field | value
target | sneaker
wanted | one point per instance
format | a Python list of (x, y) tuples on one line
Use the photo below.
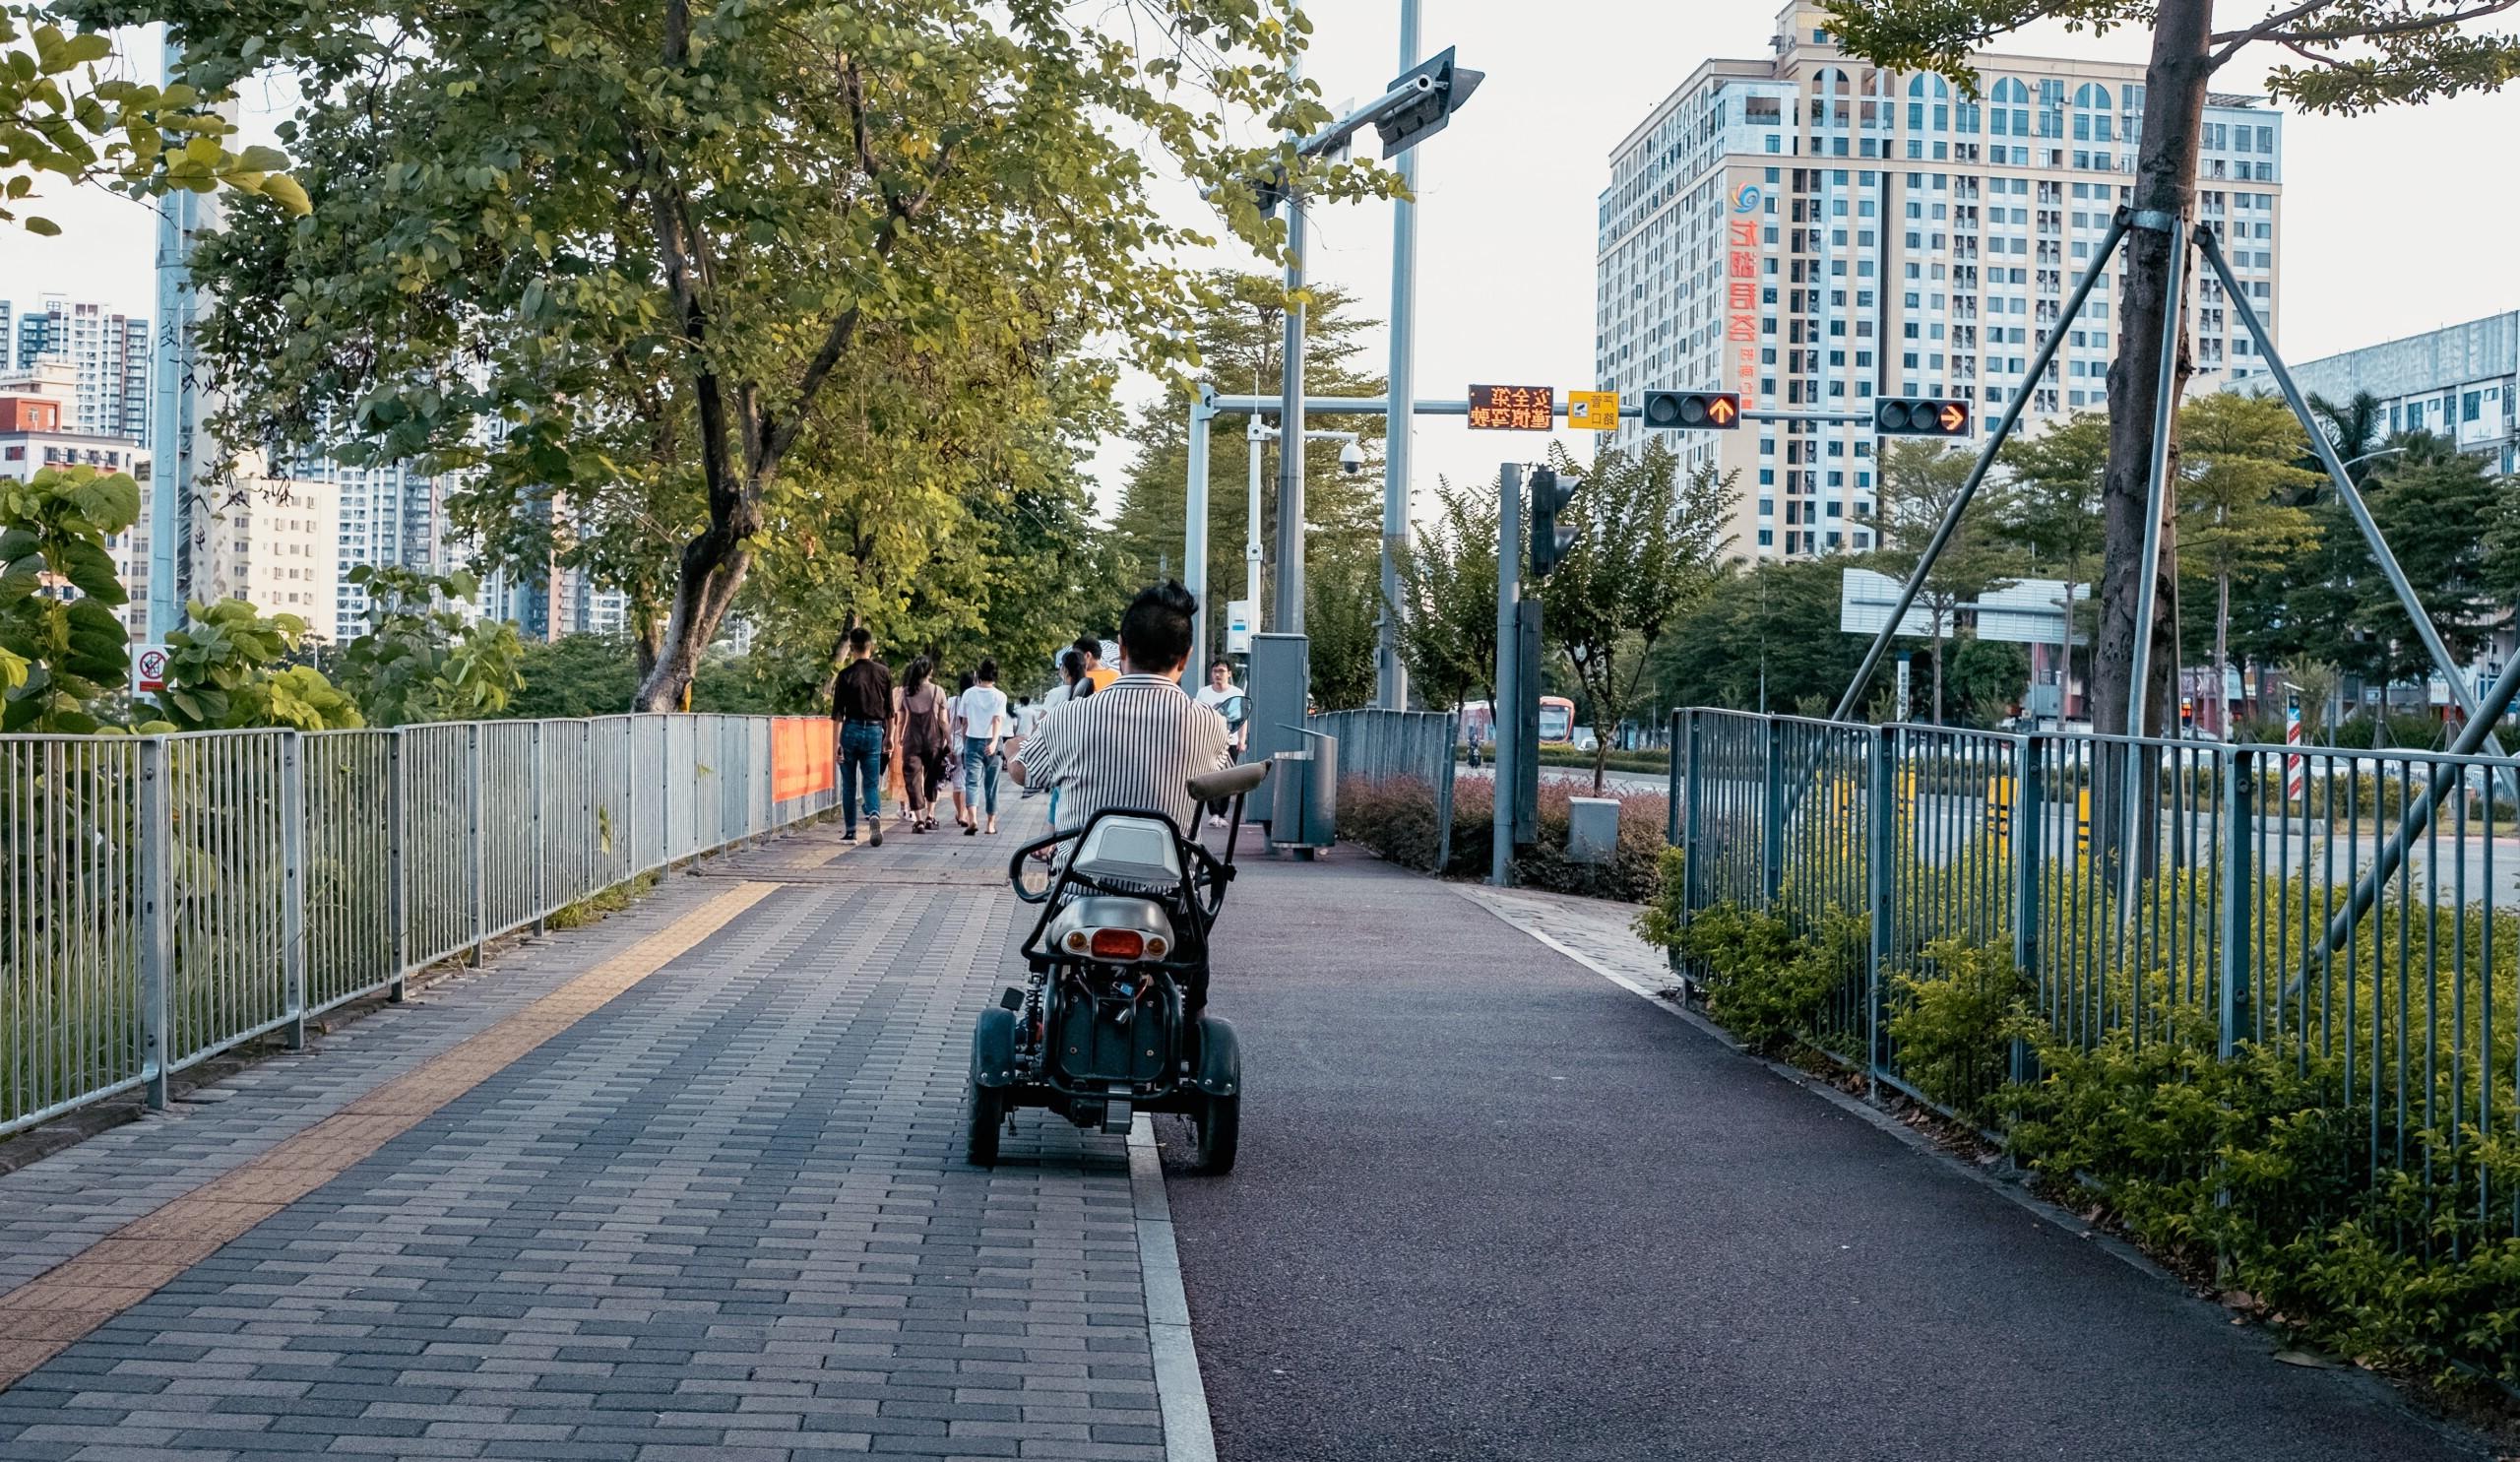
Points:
[(849, 837), (875, 835)]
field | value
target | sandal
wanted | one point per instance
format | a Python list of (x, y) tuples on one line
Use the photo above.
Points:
[(969, 828)]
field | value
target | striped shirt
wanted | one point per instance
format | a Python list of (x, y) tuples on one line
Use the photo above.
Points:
[(1134, 743)]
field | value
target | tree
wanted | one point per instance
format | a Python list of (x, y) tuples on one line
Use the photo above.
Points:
[(572, 676), (59, 117), (1919, 482), (1240, 340), (2235, 513), (231, 667), (419, 660), (1448, 598), (552, 231), (2341, 56), (1343, 619), (61, 651), (2429, 504), (1647, 540), (1764, 637), (2054, 500)]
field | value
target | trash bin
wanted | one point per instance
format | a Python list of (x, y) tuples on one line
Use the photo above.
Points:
[(1304, 800)]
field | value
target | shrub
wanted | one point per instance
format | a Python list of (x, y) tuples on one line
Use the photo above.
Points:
[(1953, 1023), (1765, 983), (1395, 818)]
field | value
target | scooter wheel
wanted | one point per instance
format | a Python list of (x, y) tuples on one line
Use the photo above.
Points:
[(988, 1117), (1220, 1124)]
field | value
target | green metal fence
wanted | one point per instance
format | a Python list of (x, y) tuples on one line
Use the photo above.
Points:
[(2356, 912)]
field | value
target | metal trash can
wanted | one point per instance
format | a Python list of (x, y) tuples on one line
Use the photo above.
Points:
[(1304, 799)]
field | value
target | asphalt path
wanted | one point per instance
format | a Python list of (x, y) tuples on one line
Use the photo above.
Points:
[(1492, 1206)]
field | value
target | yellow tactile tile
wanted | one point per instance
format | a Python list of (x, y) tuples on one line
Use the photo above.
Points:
[(45, 1316)]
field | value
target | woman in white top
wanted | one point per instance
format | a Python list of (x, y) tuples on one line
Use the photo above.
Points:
[(985, 722)]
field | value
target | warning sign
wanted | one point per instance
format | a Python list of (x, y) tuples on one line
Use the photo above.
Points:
[(147, 670), (1593, 410)]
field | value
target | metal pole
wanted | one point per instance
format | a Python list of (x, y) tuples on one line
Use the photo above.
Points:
[(397, 903), (480, 869), (2046, 351), (2352, 498), (2156, 483), (156, 925), (2029, 840), (1256, 435), (1880, 878), (2148, 569), (1194, 552), (292, 863), (542, 870), (1289, 618), (1391, 677), (2240, 776), (1503, 718)]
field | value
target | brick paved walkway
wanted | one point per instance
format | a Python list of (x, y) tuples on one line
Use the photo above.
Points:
[(719, 1214)]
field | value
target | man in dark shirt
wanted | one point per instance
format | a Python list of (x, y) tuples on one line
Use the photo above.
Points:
[(865, 709)]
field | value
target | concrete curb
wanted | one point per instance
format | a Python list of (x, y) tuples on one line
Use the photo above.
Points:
[(1179, 1389)]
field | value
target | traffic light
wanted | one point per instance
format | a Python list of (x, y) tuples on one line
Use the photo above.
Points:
[(1693, 411), (1442, 91), (1549, 539), (1915, 415)]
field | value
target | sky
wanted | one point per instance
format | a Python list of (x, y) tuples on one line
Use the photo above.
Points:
[(2389, 223)]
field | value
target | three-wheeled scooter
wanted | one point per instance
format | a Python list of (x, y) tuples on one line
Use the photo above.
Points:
[(1109, 1022)]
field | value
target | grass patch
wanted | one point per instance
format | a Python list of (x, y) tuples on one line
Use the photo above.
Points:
[(605, 901)]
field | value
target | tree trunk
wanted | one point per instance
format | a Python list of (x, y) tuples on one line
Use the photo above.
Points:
[(647, 639), (2176, 79)]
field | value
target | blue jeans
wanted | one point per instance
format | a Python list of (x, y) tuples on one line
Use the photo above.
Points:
[(862, 759), (979, 775)]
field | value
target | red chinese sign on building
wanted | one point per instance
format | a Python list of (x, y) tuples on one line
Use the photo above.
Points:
[(1741, 302), (1513, 408)]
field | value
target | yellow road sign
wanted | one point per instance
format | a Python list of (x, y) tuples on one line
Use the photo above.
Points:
[(1593, 410)]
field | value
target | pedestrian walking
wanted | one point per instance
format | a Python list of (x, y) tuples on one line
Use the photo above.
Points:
[(954, 753), (984, 726), (923, 755), (1219, 695), (864, 707), (1097, 673)]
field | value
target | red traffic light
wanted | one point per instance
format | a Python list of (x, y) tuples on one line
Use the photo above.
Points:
[(1908, 415)]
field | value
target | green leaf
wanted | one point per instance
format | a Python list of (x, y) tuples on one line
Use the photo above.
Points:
[(44, 227)]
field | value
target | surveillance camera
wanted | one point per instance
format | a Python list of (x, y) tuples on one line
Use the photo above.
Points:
[(1352, 459)]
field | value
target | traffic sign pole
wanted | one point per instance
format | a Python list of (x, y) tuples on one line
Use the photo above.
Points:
[(1391, 677)]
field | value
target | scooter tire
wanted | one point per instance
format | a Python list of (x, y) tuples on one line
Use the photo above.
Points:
[(987, 1118), (1220, 1124)]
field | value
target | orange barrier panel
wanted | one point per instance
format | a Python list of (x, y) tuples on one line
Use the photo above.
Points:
[(791, 759)]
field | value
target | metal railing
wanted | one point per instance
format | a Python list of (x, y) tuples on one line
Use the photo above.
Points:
[(2352, 914), (1378, 745), (163, 899)]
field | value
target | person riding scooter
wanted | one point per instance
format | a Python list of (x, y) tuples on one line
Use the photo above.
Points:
[(1138, 741)]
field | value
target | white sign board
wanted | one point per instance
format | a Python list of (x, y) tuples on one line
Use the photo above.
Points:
[(2026, 611), (147, 670), (1238, 626)]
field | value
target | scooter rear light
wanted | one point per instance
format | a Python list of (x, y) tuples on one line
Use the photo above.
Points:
[(1154, 946), (1118, 944), (1077, 941)]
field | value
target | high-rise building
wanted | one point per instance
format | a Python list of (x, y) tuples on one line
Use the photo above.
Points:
[(273, 543), (2461, 382), (107, 349), (1816, 232), (388, 519), (36, 406)]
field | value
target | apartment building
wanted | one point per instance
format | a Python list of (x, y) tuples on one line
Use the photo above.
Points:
[(2461, 381), (1815, 232), (108, 352), (37, 408), (276, 543)]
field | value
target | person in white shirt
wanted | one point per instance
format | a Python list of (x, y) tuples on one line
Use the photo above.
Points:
[(985, 722), (1213, 695)]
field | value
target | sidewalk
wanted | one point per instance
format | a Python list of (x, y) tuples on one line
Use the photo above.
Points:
[(1493, 1207), (687, 1183)]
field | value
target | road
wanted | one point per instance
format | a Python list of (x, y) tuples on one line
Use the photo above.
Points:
[(1493, 1208)]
